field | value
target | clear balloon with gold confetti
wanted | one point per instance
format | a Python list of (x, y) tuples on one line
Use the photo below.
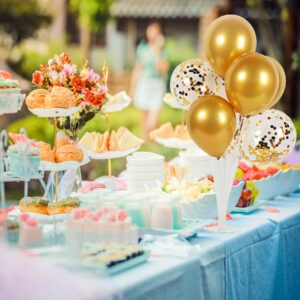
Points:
[(195, 78), (267, 137)]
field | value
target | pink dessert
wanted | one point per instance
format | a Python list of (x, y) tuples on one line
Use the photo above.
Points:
[(103, 226), (88, 186), (31, 232)]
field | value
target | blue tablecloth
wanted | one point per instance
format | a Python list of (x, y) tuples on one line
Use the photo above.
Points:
[(260, 261)]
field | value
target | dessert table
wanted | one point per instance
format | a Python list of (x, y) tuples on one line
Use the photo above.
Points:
[(260, 261)]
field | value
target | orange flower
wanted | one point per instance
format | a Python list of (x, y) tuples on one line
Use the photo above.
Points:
[(93, 99), (65, 58), (43, 68), (37, 78), (78, 84)]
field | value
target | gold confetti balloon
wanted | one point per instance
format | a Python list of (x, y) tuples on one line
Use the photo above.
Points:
[(195, 78), (269, 136)]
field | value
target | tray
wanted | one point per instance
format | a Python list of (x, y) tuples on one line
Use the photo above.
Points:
[(54, 112), (282, 183), (175, 143), (63, 166), (245, 210), (206, 207), (111, 154), (117, 268)]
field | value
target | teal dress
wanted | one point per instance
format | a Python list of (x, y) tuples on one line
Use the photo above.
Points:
[(151, 85)]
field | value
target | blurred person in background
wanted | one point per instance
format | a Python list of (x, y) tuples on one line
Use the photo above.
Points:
[(148, 84)]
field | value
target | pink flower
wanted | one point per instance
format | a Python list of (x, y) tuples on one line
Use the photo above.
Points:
[(63, 78), (69, 70), (92, 76), (50, 61), (53, 75)]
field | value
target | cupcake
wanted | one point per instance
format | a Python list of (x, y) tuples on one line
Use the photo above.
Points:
[(36, 98), (60, 97)]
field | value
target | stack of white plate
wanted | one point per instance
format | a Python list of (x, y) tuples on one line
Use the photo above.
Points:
[(145, 170), (199, 164)]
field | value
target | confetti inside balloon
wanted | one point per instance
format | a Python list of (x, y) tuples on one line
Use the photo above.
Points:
[(194, 78), (267, 137)]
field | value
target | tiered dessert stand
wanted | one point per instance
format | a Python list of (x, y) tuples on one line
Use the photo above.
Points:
[(56, 168)]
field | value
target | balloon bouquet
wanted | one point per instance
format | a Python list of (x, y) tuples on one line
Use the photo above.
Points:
[(229, 96)]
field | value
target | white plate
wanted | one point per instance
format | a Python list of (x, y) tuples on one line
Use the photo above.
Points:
[(120, 101), (63, 166), (40, 217), (250, 208), (54, 112), (110, 108), (111, 154), (175, 143)]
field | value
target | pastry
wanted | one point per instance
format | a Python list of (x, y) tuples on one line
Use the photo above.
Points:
[(63, 206), (34, 204), (63, 141), (68, 153), (8, 85), (46, 153), (181, 132), (127, 140), (36, 98), (165, 131), (60, 97)]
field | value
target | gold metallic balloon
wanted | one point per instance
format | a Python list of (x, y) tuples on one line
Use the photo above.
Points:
[(226, 39), (251, 83), (282, 82), (211, 123)]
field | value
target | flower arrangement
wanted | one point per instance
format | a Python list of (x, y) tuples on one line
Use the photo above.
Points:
[(89, 88)]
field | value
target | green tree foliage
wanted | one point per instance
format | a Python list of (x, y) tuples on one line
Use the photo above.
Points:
[(92, 14), (20, 19)]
